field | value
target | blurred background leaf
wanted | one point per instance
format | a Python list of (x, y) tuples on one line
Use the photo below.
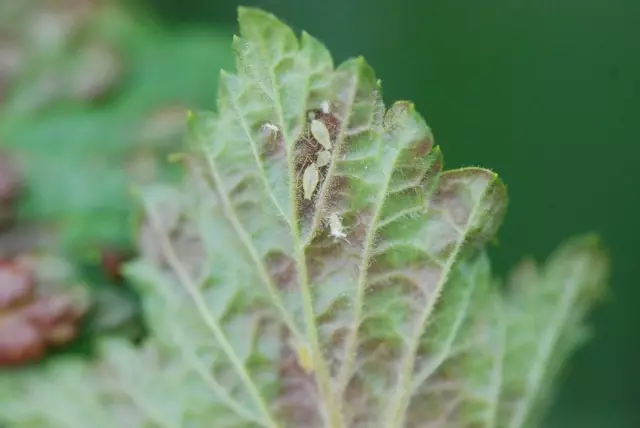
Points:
[(90, 113), (93, 98)]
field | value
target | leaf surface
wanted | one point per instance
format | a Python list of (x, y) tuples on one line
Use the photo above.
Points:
[(370, 304)]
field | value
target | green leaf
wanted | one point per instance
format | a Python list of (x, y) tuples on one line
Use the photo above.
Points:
[(371, 304)]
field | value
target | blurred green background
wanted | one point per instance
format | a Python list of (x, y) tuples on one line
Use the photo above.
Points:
[(545, 92)]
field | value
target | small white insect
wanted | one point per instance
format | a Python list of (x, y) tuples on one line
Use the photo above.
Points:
[(325, 107), (270, 128), (336, 227), (321, 133), (310, 179), (271, 135), (323, 159)]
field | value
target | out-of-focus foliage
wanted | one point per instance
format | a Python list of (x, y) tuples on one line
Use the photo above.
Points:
[(89, 96), (89, 101), (41, 306)]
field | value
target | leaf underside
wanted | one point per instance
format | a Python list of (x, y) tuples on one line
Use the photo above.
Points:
[(369, 304)]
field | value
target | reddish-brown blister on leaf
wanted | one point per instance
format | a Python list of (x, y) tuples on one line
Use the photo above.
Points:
[(16, 285), (32, 321), (20, 342), (47, 312)]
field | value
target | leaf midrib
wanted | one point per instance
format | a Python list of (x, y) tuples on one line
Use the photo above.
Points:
[(322, 374)]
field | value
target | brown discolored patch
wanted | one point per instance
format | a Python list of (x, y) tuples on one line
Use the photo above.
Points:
[(282, 270), (362, 394), (395, 113), (307, 147), (306, 152), (422, 148), (298, 395), (450, 199)]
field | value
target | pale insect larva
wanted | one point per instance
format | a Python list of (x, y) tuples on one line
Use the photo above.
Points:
[(323, 159), (336, 227), (310, 180), (325, 107), (321, 133)]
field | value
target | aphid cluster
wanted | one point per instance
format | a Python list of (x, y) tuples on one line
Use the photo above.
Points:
[(323, 132), (313, 153), (314, 150)]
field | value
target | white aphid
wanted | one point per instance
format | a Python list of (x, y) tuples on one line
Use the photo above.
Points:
[(323, 159), (310, 180), (325, 107), (271, 134), (270, 128), (336, 227), (321, 133)]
